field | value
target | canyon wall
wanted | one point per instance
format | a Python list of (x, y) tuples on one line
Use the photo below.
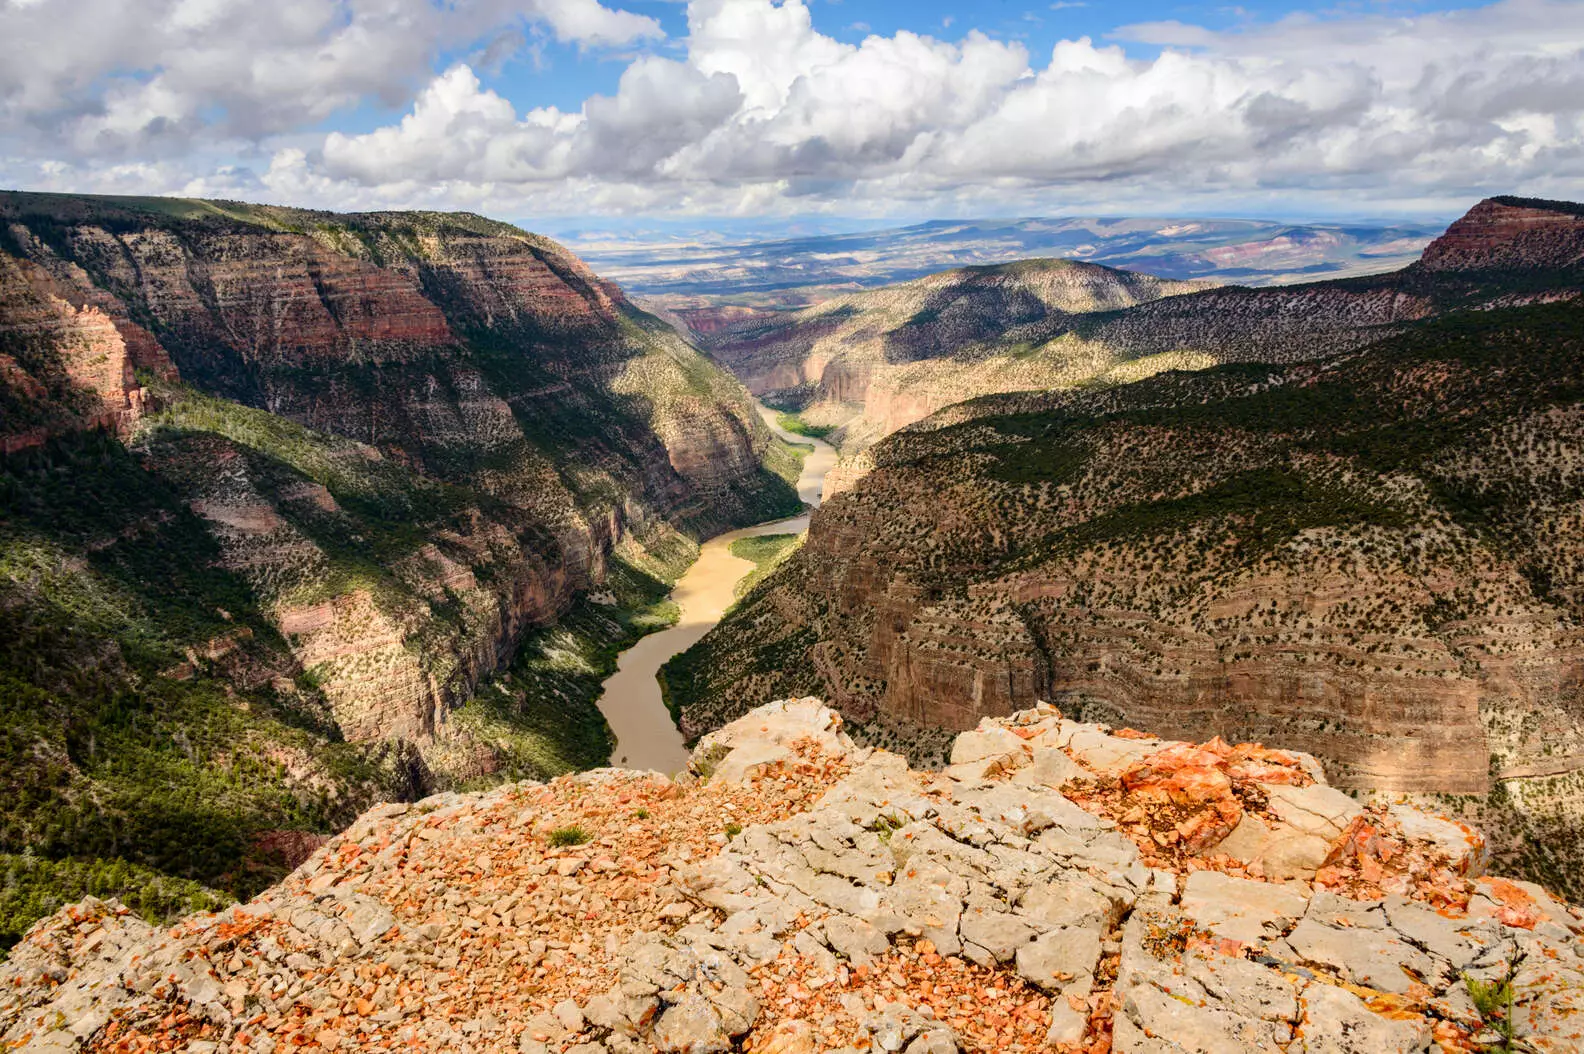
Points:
[(1374, 557), (280, 492), (471, 354)]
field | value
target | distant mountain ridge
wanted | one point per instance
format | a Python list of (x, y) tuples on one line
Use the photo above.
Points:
[(694, 277), (837, 360)]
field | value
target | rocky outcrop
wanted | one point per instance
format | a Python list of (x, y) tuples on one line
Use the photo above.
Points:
[(795, 893)]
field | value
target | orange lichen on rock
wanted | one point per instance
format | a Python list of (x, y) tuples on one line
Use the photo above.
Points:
[(1518, 908), (1185, 799)]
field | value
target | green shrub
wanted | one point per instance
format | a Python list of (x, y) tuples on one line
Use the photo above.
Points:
[(563, 837)]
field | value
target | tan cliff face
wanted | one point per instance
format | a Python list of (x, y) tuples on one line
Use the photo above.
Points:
[(1062, 886), (877, 360), (70, 359), (503, 417)]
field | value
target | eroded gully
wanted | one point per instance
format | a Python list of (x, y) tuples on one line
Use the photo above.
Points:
[(646, 737)]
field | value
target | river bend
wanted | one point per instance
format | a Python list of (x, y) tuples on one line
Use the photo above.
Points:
[(646, 738)]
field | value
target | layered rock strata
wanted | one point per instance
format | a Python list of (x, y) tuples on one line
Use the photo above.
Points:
[(1029, 898), (67, 361), (1507, 233)]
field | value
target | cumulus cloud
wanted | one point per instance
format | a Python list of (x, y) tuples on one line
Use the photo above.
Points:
[(760, 110), (122, 79)]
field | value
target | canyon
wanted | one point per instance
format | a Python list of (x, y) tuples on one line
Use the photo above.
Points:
[(645, 731), (1370, 554), (301, 509)]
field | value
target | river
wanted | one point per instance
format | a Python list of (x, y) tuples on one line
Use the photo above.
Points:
[(646, 738)]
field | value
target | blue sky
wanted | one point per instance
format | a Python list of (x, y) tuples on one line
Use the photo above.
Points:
[(565, 74), (765, 109)]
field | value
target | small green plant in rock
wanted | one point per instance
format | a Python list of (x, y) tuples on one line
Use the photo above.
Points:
[(885, 827), (1494, 1000), (710, 761), (562, 837), (733, 830)]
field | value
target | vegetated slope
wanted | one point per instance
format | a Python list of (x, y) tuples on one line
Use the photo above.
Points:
[(1377, 559), (280, 489), (879, 360)]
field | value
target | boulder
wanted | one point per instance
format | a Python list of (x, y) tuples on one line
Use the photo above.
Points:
[(1464, 847), (767, 735), (1306, 822), (1062, 961)]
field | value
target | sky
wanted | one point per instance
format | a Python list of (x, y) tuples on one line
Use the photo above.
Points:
[(766, 109)]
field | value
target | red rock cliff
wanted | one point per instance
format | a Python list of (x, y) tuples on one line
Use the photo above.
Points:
[(1510, 233)]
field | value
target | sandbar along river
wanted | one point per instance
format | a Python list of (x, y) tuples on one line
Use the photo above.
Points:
[(646, 738)]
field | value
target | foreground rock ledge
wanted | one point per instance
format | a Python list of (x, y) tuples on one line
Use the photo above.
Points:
[(1060, 887)]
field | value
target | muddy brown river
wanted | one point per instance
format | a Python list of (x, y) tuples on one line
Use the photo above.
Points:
[(646, 738)]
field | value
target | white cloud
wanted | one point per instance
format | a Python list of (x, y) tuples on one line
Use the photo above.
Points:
[(587, 22), (139, 78), (761, 111)]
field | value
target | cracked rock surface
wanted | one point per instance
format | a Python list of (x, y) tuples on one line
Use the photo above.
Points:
[(796, 894)]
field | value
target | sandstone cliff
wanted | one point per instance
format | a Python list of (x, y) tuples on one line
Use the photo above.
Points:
[(1061, 887), (281, 489), (876, 361), (1375, 559)]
